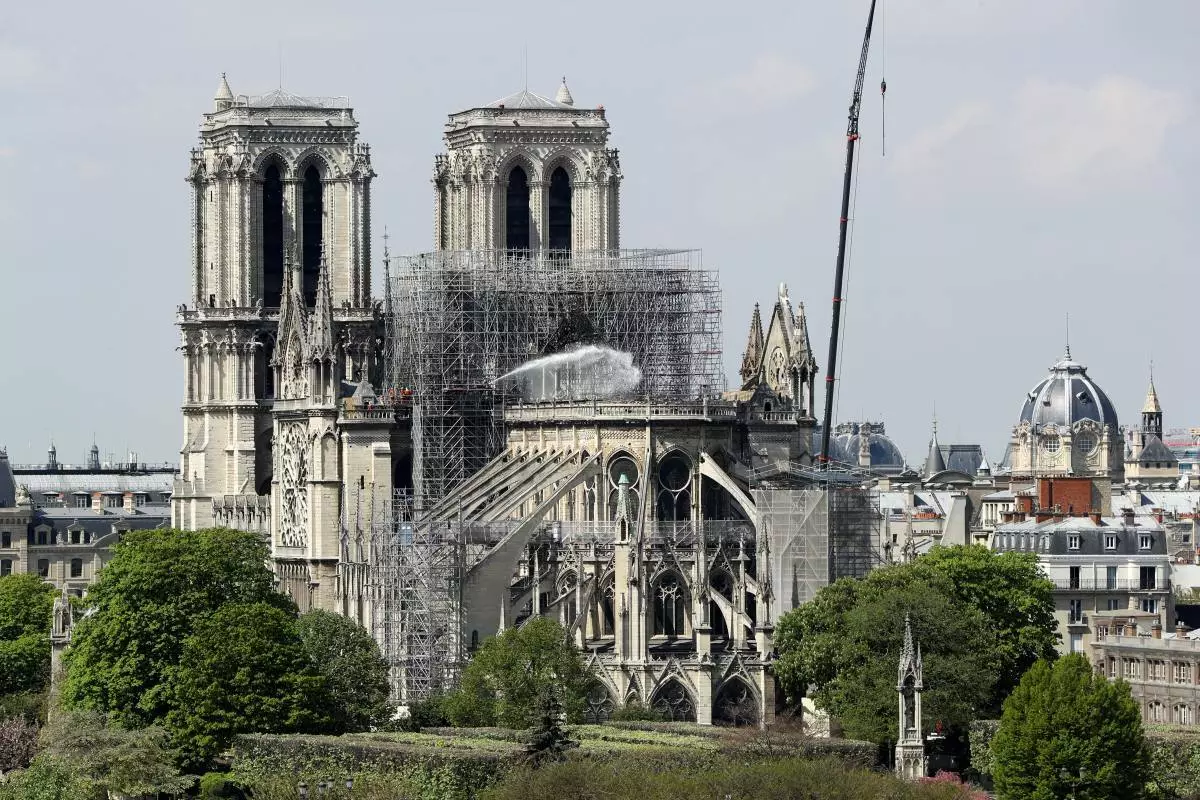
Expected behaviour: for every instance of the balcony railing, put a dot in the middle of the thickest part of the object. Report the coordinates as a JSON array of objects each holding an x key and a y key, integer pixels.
[{"x": 1106, "y": 585}]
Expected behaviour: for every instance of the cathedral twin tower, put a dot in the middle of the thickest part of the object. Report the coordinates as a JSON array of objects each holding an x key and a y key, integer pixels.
[{"x": 280, "y": 325}]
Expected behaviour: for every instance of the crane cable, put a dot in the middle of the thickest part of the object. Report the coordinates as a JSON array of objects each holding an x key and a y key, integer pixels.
[{"x": 883, "y": 75}]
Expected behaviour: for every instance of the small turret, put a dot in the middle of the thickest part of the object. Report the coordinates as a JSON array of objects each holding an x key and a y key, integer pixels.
[
  {"x": 1152, "y": 414},
  {"x": 224, "y": 96},
  {"x": 94, "y": 457},
  {"x": 564, "y": 94},
  {"x": 934, "y": 463},
  {"x": 52, "y": 457}
]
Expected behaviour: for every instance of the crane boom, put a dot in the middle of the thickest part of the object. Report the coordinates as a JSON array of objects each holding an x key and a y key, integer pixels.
[{"x": 851, "y": 140}]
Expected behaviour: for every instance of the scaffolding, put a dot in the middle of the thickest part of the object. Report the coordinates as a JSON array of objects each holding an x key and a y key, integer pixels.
[{"x": 457, "y": 321}]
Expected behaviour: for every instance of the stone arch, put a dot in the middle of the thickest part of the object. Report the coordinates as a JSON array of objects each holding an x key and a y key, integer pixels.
[
  {"x": 272, "y": 155},
  {"x": 736, "y": 703},
  {"x": 670, "y": 599},
  {"x": 674, "y": 478},
  {"x": 517, "y": 178},
  {"x": 675, "y": 700},
  {"x": 606, "y": 605},
  {"x": 329, "y": 461},
  {"x": 599, "y": 702},
  {"x": 317, "y": 157},
  {"x": 562, "y": 157}
]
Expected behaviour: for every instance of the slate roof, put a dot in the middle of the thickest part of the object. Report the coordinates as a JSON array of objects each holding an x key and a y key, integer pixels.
[
  {"x": 1066, "y": 396},
  {"x": 1154, "y": 451},
  {"x": 71, "y": 482},
  {"x": 525, "y": 100}
]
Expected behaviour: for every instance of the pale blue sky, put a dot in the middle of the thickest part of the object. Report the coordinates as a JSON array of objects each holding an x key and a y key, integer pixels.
[{"x": 1041, "y": 159}]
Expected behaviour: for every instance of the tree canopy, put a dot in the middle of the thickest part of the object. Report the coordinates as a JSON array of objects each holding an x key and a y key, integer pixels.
[
  {"x": 243, "y": 669},
  {"x": 1067, "y": 731},
  {"x": 1016, "y": 597},
  {"x": 847, "y": 643},
  {"x": 26, "y": 603},
  {"x": 356, "y": 676},
  {"x": 510, "y": 672},
  {"x": 146, "y": 603}
]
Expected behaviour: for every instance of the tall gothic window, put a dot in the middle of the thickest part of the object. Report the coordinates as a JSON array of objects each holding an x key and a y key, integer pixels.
[
  {"x": 669, "y": 601},
  {"x": 516, "y": 214},
  {"x": 559, "y": 211},
  {"x": 272, "y": 237},
  {"x": 312, "y": 220}
]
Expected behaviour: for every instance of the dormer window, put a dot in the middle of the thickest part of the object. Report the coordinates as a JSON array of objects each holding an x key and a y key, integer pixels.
[
  {"x": 1110, "y": 541},
  {"x": 1144, "y": 541},
  {"x": 1073, "y": 541}
]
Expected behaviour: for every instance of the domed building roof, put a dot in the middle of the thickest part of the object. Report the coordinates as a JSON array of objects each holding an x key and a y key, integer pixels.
[
  {"x": 846, "y": 440},
  {"x": 1066, "y": 396}
]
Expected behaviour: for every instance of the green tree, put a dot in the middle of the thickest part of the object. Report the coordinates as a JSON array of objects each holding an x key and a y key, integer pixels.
[
  {"x": 146, "y": 603},
  {"x": 244, "y": 669},
  {"x": 355, "y": 673},
  {"x": 125, "y": 762},
  {"x": 26, "y": 603},
  {"x": 1016, "y": 597},
  {"x": 847, "y": 644},
  {"x": 50, "y": 778},
  {"x": 502, "y": 683},
  {"x": 1068, "y": 732}
]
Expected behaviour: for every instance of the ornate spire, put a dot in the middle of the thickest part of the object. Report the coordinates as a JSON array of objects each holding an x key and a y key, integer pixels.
[
  {"x": 320, "y": 337},
  {"x": 934, "y": 463},
  {"x": 752, "y": 359},
  {"x": 564, "y": 94},
  {"x": 910, "y": 658},
  {"x": 1152, "y": 405}
]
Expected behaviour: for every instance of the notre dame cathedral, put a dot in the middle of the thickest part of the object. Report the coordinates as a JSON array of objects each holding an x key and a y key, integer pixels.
[{"x": 665, "y": 526}]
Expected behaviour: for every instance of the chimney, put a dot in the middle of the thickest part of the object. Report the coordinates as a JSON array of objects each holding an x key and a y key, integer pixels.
[
  {"x": 127, "y": 502},
  {"x": 1158, "y": 514},
  {"x": 1127, "y": 517},
  {"x": 1181, "y": 628},
  {"x": 97, "y": 502},
  {"x": 1130, "y": 628},
  {"x": 1156, "y": 630},
  {"x": 1094, "y": 516}
]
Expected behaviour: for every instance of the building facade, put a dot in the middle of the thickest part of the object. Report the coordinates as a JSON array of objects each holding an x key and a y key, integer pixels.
[
  {"x": 1163, "y": 672},
  {"x": 60, "y": 521},
  {"x": 1102, "y": 569}
]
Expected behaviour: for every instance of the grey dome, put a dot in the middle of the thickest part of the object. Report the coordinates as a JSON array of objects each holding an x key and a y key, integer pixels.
[
  {"x": 1066, "y": 396},
  {"x": 843, "y": 447}
]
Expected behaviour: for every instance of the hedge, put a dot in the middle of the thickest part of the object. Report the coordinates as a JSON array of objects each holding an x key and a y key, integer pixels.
[{"x": 1174, "y": 758}]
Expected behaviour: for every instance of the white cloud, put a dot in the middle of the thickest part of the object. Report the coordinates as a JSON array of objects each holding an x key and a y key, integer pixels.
[
  {"x": 985, "y": 17},
  {"x": 1050, "y": 136},
  {"x": 1111, "y": 131},
  {"x": 925, "y": 150},
  {"x": 769, "y": 82},
  {"x": 18, "y": 65}
]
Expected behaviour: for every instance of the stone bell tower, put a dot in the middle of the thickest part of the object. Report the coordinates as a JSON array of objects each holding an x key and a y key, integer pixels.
[
  {"x": 527, "y": 173},
  {"x": 280, "y": 194}
]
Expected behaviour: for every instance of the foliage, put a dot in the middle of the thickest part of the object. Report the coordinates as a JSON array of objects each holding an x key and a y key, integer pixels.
[
  {"x": 131, "y": 762},
  {"x": 635, "y": 711},
  {"x": 30, "y": 705},
  {"x": 243, "y": 669},
  {"x": 1174, "y": 762},
  {"x": 144, "y": 606},
  {"x": 409, "y": 770},
  {"x": 548, "y": 742},
  {"x": 220, "y": 785},
  {"x": 504, "y": 679},
  {"x": 1014, "y": 595},
  {"x": 981, "y": 733},
  {"x": 951, "y": 779},
  {"x": 847, "y": 644},
  {"x": 356, "y": 676},
  {"x": 26, "y": 603},
  {"x": 50, "y": 778},
  {"x": 1066, "y": 730},
  {"x": 587, "y": 779},
  {"x": 427, "y": 713},
  {"x": 18, "y": 743}
]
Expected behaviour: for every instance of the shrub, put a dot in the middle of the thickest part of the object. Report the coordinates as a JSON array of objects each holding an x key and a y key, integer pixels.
[
  {"x": 217, "y": 785},
  {"x": 634, "y": 711},
  {"x": 18, "y": 743}
]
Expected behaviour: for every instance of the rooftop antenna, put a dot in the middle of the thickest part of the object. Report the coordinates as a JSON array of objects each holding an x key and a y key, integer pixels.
[
  {"x": 281, "y": 64},
  {"x": 527, "y": 66},
  {"x": 1068, "y": 336}
]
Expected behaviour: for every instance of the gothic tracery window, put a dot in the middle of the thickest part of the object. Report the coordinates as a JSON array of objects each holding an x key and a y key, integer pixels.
[
  {"x": 516, "y": 211},
  {"x": 674, "y": 703},
  {"x": 670, "y": 602},
  {"x": 272, "y": 237},
  {"x": 559, "y": 211},
  {"x": 313, "y": 223}
]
